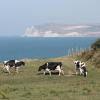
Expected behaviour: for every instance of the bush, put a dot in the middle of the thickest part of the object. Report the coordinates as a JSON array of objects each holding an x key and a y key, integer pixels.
[
  {"x": 96, "y": 59},
  {"x": 87, "y": 55},
  {"x": 96, "y": 45},
  {"x": 93, "y": 55}
]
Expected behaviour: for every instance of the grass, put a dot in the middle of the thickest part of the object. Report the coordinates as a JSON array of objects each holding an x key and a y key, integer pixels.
[{"x": 29, "y": 85}]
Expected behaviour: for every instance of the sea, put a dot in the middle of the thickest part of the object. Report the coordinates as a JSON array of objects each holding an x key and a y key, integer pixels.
[{"x": 40, "y": 48}]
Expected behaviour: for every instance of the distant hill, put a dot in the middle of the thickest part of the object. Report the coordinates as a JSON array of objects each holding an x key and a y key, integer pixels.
[{"x": 63, "y": 30}]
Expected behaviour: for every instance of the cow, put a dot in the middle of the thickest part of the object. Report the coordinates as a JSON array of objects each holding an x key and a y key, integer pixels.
[
  {"x": 83, "y": 70},
  {"x": 51, "y": 66},
  {"x": 13, "y": 63},
  {"x": 80, "y": 67},
  {"x": 77, "y": 66}
]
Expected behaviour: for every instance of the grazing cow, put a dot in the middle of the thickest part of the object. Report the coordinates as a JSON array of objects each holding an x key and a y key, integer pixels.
[
  {"x": 13, "y": 63},
  {"x": 80, "y": 67},
  {"x": 49, "y": 66}
]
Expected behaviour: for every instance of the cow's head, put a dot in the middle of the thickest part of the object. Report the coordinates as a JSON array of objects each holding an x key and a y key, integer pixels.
[
  {"x": 40, "y": 68},
  {"x": 75, "y": 62},
  {"x": 23, "y": 63},
  {"x": 43, "y": 67}
]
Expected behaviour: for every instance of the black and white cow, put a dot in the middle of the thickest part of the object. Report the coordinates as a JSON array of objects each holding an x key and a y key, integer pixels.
[
  {"x": 13, "y": 63},
  {"x": 49, "y": 66},
  {"x": 80, "y": 68},
  {"x": 77, "y": 66},
  {"x": 83, "y": 70}
]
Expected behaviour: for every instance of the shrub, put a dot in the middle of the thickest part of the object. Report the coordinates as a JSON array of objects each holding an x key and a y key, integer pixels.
[
  {"x": 93, "y": 55},
  {"x": 87, "y": 55},
  {"x": 96, "y": 45}
]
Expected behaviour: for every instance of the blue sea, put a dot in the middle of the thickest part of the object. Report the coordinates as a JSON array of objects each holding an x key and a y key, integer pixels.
[{"x": 39, "y": 48}]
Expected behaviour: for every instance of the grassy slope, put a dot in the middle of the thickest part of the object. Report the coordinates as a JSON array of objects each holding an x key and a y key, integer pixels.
[{"x": 28, "y": 85}]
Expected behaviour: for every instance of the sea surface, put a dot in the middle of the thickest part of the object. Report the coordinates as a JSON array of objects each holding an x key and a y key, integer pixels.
[{"x": 40, "y": 48}]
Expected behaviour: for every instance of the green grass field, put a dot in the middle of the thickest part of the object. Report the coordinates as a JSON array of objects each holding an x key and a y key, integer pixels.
[{"x": 29, "y": 85}]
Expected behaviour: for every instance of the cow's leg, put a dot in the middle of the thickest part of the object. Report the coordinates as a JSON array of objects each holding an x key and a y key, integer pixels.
[
  {"x": 77, "y": 71},
  {"x": 59, "y": 69},
  {"x": 16, "y": 69},
  {"x": 48, "y": 70},
  {"x": 44, "y": 72},
  {"x": 50, "y": 73},
  {"x": 86, "y": 74},
  {"x": 7, "y": 68},
  {"x": 81, "y": 71},
  {"x": 62, "y": 72},
  {"x": 4, "y": 67},
  {"x": 59, "y": 73}
]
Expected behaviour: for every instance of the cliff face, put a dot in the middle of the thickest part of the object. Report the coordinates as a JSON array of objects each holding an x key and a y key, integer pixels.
[{"x": 62, "y": 30}]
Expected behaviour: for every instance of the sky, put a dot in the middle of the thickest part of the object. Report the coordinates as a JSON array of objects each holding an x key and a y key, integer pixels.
[{"x": 17, "y": 15}]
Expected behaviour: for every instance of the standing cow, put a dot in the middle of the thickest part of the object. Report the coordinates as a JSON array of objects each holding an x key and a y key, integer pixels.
[
  {"x": 77, "y": 66},
  {"x": 49, "y": 66},
  {"x": 13, "y": 63},
  {"x": 80, "y": 67}
]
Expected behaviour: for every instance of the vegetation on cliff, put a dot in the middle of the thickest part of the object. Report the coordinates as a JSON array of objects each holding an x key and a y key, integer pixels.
[{"x": 93, "y": 55}]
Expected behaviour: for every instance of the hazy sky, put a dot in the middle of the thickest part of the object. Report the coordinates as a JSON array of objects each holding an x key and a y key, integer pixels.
[{"x": 16, "y": 15}]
